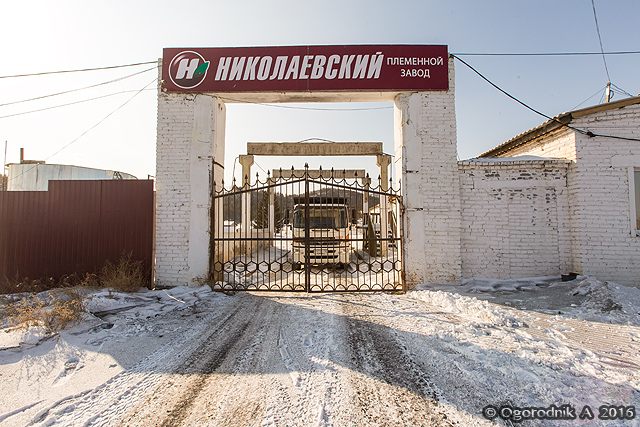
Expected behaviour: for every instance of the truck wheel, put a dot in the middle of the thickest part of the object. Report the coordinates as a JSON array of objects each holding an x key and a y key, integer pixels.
[{"x": 297, "y": 266}]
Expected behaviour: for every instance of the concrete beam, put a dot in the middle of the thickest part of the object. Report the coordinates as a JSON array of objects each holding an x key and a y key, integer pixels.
[
  {"x": 315, "y": 173},
  {"x": 317, "y": 96},
  {"x": 314, "y": 148}
]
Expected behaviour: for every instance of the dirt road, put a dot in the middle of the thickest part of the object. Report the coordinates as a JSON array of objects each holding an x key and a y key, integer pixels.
[
  {"x": 294, "y": 360},
  {"x": 276, "y": 359}
]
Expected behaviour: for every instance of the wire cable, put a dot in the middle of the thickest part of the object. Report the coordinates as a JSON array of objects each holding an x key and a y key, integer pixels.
[
  {"x": 621, "y": 90},
  {"x": 92, "y": 127},
  {"x": 593, "y": 4},
  {"x": 261, "y": 168},
  {"x": 105, "y": 117},
  {"x": 316, "y": 139},
  {"x": 599, "y": 91},
  {"x": 77, "y": 71},
  {"x": 70, "y": 103},
  {"x": 503, "y": 91},
  {"x": 76, "y": 90},
  {"x": 582, "y": 131}
]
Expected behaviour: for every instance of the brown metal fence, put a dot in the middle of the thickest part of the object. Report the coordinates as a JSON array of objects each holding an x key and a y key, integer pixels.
[{"x": 75, "y": 227}]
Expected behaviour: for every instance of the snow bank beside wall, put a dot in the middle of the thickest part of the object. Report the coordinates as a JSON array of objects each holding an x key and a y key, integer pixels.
[{"x": 515, "y": 218}]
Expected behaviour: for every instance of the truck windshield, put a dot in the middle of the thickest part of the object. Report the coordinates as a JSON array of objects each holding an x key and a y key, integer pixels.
[{"x": 321, "y": 218}]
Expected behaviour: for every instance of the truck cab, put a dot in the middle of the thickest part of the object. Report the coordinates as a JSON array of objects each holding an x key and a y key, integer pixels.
[{"x": 329, "y": 225}]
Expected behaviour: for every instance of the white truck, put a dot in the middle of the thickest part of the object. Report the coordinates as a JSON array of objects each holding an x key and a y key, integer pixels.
[{"x": 329, "y": 229}]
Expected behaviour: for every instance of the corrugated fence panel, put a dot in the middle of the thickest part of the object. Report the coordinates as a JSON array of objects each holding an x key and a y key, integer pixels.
[
  {"x": 22, "y": 224},
  {"x": 127, "y": 228},
  {"x": 75, "y": 227}
]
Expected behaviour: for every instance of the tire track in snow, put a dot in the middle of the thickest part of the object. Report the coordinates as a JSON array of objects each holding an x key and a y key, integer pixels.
[
  {"x": 238, "y": 390},
  {"x": 271, "y": 360},
  {"x": 108, "y": 402},
  {"x": 203, "y": 367},
  {"x": 389, "y": 388},
  {"x": 223, "y": 381}
]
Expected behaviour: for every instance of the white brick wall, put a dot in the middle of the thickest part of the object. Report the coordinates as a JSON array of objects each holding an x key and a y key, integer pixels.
[
  {"x": 602, "y": 242},
  {"x": 514, "y": 219},
  {"x": 187, "y": 139},
  {"x": 608, "y": 249},
  {"x": 426, "y": 145},
  {"x": 175, "y": 123}
]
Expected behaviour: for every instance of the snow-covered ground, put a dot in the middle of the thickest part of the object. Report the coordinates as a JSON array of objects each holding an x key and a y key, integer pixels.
[{"x": 435, "y": 356}]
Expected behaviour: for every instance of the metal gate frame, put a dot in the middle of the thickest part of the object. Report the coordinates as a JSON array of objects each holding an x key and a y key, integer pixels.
[{"x": 259, "y": 257}]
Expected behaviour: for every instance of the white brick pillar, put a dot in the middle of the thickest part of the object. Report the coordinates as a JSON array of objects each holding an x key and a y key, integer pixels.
[
  {"x": 189, "y": 157},
  {"x": 427, "y": 167}
]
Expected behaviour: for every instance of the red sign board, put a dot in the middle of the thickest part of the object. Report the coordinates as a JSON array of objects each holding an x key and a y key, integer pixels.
[{"x": 306, "y": 68}]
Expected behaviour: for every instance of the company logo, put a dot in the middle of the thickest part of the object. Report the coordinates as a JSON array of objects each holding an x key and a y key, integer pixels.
[{"x": 188, "y": 69}]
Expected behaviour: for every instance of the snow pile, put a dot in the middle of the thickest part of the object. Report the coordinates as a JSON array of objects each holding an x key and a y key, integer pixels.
[
  {"x": 607, "y": 301},
  {"x": 470, "y": 308},
  {"x": 149, "y": 303},
  {"x": 537, "y": 342},
  {"x": 12, "y": 338},
  {"x": 584, "y": 298},
  {"x": 489, "y": 285},
  {"x": 41, "y": 369},
  {"x": 525, "y": 158}
]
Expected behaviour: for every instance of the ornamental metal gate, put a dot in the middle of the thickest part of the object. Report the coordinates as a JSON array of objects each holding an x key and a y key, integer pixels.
[{"x": 307, "y": 232}]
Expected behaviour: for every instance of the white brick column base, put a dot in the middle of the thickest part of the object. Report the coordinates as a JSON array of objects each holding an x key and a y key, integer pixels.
[{"x": 190, "y": 140}]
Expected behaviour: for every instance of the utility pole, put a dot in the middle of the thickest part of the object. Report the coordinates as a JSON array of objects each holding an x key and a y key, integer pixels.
[{"x": 609, "y": 92}]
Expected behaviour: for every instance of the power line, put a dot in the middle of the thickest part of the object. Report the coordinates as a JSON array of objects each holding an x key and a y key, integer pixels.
[
  {"x": 627, "y": 52},
  {"x": 621, "y": 90},
  {"x": 76, "y": 71},
  {"x": 599, "y": 91},
  {"x": 70, "y": 103},
  {"x": 582, "y": 131},
  {"x": 593, "y": 4},
  {"x": 94, "y": 126},
  {"x": 261, "y": 168},
  {"x": 105, "y": 118},
  {"x": 501, "y": 90},
  {"x": 76, "y": 90}
]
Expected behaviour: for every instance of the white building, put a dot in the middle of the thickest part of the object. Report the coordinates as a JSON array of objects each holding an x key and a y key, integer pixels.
[
  {"x": 31, "y": 176},
  {"x": 580, "y": 213}
]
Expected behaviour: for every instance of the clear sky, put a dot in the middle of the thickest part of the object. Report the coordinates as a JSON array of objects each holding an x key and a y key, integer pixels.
[{"x": 39, "y": 36}]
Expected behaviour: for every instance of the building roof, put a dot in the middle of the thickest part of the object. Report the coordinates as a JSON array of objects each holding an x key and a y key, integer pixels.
[{"x": 558, "y": 122}]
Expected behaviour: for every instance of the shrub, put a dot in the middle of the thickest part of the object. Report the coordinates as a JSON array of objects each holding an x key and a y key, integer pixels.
[
  {"x": 126, "y": 275},
  {"x": 54, "y": 310},
  {"x": 19, "y": 285}
]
